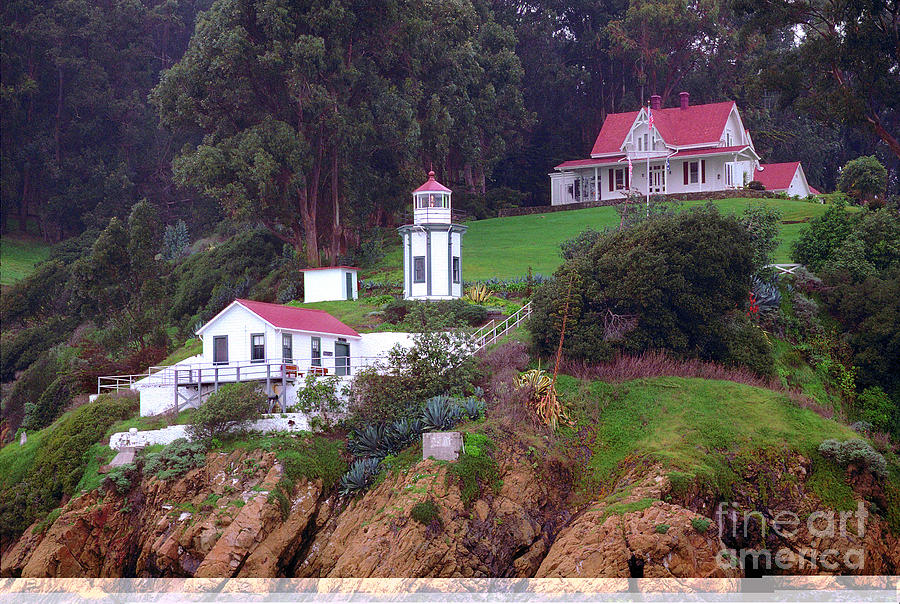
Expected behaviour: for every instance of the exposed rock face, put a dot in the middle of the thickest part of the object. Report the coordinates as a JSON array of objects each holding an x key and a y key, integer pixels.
[{"x": 220, "y": 521}]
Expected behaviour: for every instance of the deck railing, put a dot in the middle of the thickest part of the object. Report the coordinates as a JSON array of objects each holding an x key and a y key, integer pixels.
[
  {"x": 784, "y": 269},
  {"x": 495, "y": 330}
]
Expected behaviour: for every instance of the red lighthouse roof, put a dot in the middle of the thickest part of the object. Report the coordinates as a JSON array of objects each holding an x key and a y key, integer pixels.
[{"x": 432, "y": 186}]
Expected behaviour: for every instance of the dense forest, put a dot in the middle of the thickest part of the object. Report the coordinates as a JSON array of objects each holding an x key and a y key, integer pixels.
[{"x": 316, "y": 118}]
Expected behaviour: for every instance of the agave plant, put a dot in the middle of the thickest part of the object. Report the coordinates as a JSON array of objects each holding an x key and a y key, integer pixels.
[
  {"x": 535, "y": 379},
  {"x": 403, "y": 432},
  {"x": 359, "y": 477},
  {"x": 371, "y": 441},
  {"x": 767, "y": 295},
  {"x": 439, "y": 413},
  {"x": 473, "y": 407},
  {"x": 479, "y": 293}
]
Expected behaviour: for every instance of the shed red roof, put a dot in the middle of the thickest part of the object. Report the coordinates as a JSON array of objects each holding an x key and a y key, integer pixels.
[
  {"x": 776, "y": 177},
  {"x": 695, "y": 125},
  {"x": 432, "y": 185},
  {"x": 325, "y": 268},
  {"x": 300, "y": 319}
]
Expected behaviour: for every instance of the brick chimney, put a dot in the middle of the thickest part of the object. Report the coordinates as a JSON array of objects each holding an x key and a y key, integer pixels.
[
  {"x": 685, "y": 99},
  {"x": 655, "y": 102}
]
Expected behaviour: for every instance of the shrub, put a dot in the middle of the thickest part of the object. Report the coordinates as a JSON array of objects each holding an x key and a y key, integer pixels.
[
  {"x": 121, "y": 478},
  {"x": 662, "y": 529},
  {"x": 473, "y": 407},
  {"x": 425, "y": 512},
  {"x": 863, "y": 178},
  {"x": 668, "y": 283},
  {"x": 49, "y": 405},
  {"x": 822, "y": 236},
  {"x": 227, "y": 410},
  {"x": 755, "y": 185},
  {"x": 359, "y": 477},
  {"x": 857, "y": 452},
  {"x": 477, "y": 444},
  {"x": 474, "y": 472},
  {"x": 749, "y": 347},
  {"x": 767, "y": 294},
  {"x": 175, "y": 459},
  {"x": 861, "y": 427},
  {"x": 874, "y": 407},
  {"x": 322, "y": 395}
]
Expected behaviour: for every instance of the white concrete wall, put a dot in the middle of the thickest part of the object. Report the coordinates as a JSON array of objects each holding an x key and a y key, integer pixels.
[
  {"x": 328, "y": 284},
  {"x": 287, "y": 422}
]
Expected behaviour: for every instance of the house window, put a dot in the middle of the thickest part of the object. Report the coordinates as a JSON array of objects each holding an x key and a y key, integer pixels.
[
  {"x": 316, "y": 352},
  {"x": 694, "y": 172},
  {"x": 220, "y": 350},
  {"x": 419, "y": 269},
  {"x": 257, "y": 348},
  {"x": 646, "y": 147},
  {"x": 287, "y": 347},
  {"x": 729, "y": 175},
  {"x": 456, "y": 269},
  {"x": 618, "y": 179}
]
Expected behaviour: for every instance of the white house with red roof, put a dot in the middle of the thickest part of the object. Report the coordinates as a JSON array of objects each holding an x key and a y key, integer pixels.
[
  {"x": 272, "y": 344},
  {"x": 787, "y": 177},
  {"x": 686, "y": 149}
]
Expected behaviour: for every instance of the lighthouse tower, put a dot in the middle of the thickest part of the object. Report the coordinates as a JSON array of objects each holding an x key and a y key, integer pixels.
[{"x": 432, "y": 246}]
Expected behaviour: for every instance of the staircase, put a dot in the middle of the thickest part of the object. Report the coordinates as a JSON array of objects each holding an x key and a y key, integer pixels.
[{"x": 495, "y": 330}]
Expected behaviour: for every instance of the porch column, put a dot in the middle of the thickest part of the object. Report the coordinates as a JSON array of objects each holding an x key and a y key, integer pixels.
[{"x": 596, "y": 184}]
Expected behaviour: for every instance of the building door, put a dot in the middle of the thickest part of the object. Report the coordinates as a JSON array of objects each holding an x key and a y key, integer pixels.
[
  {"x": 220, "y": 350},
  {"x": 349, "y": 280},
  {"x": 657, "y": 179},
  {"x": 341, "y": 358}
]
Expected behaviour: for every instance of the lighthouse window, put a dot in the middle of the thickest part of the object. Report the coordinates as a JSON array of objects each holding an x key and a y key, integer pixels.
[{"x": 419, "y": 269}]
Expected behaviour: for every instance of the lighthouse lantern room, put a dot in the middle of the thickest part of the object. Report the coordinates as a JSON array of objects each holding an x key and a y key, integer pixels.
[{"x": 432, "y": 246}]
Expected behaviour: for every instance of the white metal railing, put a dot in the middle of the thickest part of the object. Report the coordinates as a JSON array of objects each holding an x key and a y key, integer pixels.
[
  {"x": 206, "y": 373},
  {"x": 493, "y": 331},
  {"x": 784, "y": 269}
]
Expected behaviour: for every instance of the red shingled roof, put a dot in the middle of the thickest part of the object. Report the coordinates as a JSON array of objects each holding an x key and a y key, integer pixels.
[
  {"x": 431, "y": 185},
  {"x": 300, "y": 319},
  {"x": 582, "y": 163},
  {"x": 679, "y": 127},
  {"x": 776, "y": 177}
]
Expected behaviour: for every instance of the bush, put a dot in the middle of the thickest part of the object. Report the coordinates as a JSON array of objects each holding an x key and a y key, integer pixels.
[
  {"x": 437, "y": 363},
  {"x": 121, "y": 478},
  {"x": 48, "y": 406},
  {"x": 321, "y": 395},
  {"x": 755, "y": 185},
  {"x": 668, "y": 283},
  {"x": 474, "y": 472},
  {"x": 419, "y": 316},
  {"x": 863, "y": 178},
  {"x": 425, "y": 512},
  {"x": 857, "y": 452},
  {"x": 227, "y": 410},
  {"x": 701, "y": 525},
  {"x": 874, "y": 406},
  {"x": 175, "y": 459},
  {"x": 822, "y": 236},
  {"x": 749, "y": 347}
]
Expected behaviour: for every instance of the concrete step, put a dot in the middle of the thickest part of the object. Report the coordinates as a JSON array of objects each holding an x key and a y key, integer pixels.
[{"x": 125, "y": 456}]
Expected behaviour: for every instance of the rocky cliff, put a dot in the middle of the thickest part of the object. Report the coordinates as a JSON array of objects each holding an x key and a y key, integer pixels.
[{"x": 222, "y": 520}]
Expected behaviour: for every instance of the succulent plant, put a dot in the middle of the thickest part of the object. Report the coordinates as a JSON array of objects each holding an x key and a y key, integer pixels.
[
  {"x": 768, "y": 296},
  {"x": 473, "y": 407},
  {"x": 359, "y": 477},
  {"x": 440, "y": 412},
  {"x": 536, "y": 379},
  {"x": 403, "y": 432},
  {"x": 371, "y": 441},
  {"x": 479, "y": 293}
]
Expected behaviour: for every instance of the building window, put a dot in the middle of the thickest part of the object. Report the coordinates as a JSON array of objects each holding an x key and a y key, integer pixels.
[
  {"x": 220, "y": 350},
  {"x": 729, "y": 175},
  {"x": 419, "y": 269},
  {"x": 618, "y": 179},
  {"x": 316, "y": 352},
  {"x": 456, "y": 269},
  {"x": 257, "y": 348},
  {"x": 694, "y": 172},
  {"x": 287, "y": 347},
  {"x": 646, "y": 147}
]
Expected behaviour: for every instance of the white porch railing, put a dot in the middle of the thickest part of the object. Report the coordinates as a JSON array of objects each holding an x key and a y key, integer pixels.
[{"x": 493, "y": 331}]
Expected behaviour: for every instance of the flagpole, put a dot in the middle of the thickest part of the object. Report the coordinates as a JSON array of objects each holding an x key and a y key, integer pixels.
[{"x": 649, "y": 140}]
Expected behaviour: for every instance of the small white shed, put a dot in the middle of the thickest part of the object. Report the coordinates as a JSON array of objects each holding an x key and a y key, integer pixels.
[{"x": 329, "y": 283}]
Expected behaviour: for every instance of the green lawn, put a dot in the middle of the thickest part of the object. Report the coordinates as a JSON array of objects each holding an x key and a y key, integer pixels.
[
  {"x": 506, "y": 247},
  {"x": 698, "y": 428},
  {"x": 18, "y": 257}
]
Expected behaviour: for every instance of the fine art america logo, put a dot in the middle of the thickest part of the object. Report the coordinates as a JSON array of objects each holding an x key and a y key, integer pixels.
[{"x": 823, "y": 527}]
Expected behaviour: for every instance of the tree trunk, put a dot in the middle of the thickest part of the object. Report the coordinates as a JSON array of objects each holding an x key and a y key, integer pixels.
[
  {"x": 59, "y": 101},
  {"x": 336, "y": 211}
]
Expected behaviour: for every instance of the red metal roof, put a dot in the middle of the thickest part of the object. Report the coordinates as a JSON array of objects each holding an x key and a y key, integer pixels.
[
  {"x": 612, "y": 134},
  {"x": 776, "y": 177},
  {"x": 431, "y": 185},
  {"x": 696, "y": 125},
  {"x": 582, "y": 163},
  {"x": 300, "y": 319},
  {"x": 325, "y": 268}
]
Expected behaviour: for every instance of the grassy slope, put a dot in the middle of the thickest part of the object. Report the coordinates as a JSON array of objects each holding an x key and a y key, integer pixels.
[
  {"x": 18, "y": 257},
  {"x": 506, "y": 247},
  {"x": 692, "y": 426}
]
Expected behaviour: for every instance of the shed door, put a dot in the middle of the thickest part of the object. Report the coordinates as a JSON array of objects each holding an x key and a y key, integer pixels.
[
  {"x": 349, "y": 280},
  {"x": 220, "y": 350},
  {"x": 342, "y": 358}
]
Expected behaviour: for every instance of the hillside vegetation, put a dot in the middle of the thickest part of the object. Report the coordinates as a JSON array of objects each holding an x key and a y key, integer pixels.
[{"x": 19, "y": 256}]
